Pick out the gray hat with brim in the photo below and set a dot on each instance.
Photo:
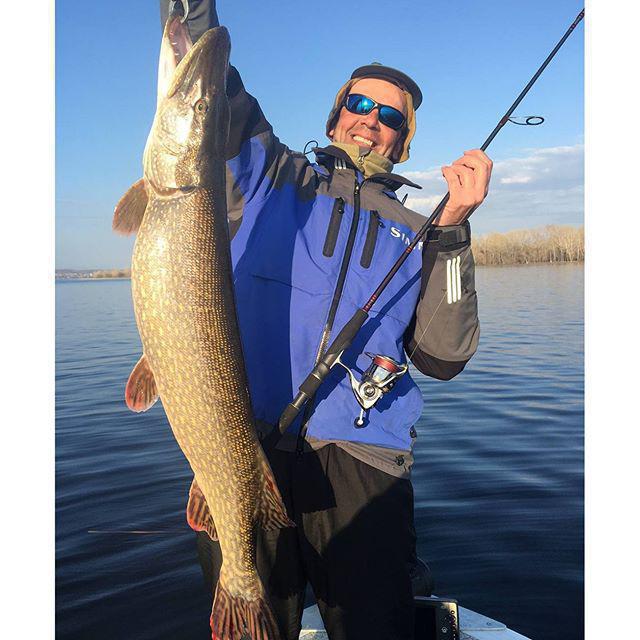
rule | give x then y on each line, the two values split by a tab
377	70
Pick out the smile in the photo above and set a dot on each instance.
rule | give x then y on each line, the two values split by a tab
358	138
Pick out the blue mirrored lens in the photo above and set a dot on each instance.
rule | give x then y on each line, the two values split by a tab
391	117
359	104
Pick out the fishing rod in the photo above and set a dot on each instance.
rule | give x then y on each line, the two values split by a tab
344	339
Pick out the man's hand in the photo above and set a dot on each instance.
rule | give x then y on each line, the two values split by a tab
468	180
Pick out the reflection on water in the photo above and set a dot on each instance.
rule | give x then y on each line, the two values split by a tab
498	474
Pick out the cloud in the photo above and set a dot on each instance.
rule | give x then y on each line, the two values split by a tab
515	180
545	186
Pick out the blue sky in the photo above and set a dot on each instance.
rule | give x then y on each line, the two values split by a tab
470	58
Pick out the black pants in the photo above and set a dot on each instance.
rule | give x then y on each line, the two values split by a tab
354	543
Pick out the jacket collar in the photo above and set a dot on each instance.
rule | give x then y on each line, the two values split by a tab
391	180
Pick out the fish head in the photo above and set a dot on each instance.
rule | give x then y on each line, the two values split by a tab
191	124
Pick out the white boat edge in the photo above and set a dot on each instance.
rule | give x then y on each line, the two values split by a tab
473	626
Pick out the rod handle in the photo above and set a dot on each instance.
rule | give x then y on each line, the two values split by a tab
312	382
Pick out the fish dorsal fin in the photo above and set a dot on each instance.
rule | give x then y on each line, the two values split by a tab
141	391
198	514
271	512
130	209
175	45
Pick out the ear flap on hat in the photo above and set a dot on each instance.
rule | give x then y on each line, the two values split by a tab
337	105
409	130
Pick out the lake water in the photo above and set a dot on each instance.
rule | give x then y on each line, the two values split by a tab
498	477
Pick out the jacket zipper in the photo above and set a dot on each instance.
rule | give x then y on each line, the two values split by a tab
337	294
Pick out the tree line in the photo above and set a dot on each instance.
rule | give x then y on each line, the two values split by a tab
553	243
112	273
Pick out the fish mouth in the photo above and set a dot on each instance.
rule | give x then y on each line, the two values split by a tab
191	101
205	63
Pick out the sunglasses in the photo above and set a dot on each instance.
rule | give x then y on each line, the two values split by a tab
362	105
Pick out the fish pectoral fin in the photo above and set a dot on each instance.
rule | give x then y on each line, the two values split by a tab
271	513
198	515
141	391
129	211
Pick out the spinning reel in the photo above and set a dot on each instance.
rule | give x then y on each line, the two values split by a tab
378	379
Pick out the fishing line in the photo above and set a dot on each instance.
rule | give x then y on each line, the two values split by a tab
137	531
528	121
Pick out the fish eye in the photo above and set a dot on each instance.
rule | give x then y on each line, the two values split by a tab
201	106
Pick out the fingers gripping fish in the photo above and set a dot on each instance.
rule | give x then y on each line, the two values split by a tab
183	296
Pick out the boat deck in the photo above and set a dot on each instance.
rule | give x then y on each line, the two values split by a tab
473	626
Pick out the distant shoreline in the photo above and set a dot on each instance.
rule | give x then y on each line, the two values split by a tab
512	264
93	274
553	244
90	278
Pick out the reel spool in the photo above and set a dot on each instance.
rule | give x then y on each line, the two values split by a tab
378	379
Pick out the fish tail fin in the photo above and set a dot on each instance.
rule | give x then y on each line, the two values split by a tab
236	618
271	512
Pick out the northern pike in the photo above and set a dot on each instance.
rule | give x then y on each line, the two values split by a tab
182	287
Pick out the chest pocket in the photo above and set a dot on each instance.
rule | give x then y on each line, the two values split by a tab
383	244
337	214
370	241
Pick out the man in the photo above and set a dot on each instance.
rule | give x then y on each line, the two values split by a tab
310	241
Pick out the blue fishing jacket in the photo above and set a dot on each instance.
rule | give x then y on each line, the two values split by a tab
310	242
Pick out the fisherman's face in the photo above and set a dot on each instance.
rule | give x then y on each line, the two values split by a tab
367	130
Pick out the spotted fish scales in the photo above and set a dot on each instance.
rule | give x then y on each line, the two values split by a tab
182	287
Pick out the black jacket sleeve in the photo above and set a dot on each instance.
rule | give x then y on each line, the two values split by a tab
444	332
